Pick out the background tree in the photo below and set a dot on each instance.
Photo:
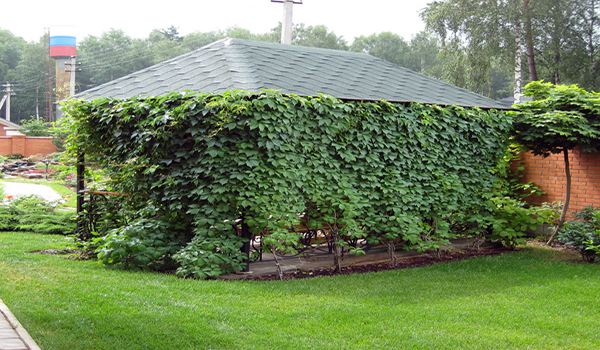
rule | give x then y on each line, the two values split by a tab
556	38
30	77
317	36
478	39
35	127
424	50
11	48
559	45
387	46
110	56
587	22
560	119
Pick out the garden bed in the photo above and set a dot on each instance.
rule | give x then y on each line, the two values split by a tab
403	263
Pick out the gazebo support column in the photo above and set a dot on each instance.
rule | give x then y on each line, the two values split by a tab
80	189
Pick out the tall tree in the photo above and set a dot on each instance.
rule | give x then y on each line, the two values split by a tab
559	37
588	25
480	32
110	56
556	38
31	77
424	53
11	48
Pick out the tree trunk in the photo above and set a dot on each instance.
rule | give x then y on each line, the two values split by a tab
563	215
391	248
518	62
337	248
529	42
590	35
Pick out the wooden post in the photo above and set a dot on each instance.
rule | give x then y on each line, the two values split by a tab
80	189
246	248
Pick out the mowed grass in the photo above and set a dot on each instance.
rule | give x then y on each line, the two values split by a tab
531	299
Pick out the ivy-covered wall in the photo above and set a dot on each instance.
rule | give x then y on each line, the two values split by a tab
203	164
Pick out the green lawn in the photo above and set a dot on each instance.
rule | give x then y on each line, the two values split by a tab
532	299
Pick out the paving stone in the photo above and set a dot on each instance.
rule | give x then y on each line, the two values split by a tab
7	333
4	323
12	344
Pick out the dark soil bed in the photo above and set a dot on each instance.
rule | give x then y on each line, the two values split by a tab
402	263
55	251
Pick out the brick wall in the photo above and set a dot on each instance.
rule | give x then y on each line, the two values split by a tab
549	174
27	146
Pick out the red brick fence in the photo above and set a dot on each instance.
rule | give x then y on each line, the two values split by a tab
549	175
26	145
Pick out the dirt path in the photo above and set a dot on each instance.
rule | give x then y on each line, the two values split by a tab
17	189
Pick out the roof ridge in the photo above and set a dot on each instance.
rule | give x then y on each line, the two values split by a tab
244	71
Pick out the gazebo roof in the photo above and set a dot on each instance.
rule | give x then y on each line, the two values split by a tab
237	64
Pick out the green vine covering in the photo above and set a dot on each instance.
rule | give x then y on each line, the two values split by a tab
204	164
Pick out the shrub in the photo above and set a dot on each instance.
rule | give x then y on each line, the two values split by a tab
35	214
511	219
583	233
507	221
145	243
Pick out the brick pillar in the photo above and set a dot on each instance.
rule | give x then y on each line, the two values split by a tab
18	144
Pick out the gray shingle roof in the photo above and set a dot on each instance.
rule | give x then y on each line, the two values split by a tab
237	64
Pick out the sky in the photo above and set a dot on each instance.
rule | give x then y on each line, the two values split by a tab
29	19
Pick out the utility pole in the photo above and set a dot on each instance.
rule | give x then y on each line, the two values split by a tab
6	99
72	70
286	26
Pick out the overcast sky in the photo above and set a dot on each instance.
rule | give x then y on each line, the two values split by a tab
348	18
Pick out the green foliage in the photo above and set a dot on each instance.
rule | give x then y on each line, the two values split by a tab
507	220
510	172
34	214
511	219
355	167
317	36
35	127
101	215
387	46
145	243
583	232
205	257
560	117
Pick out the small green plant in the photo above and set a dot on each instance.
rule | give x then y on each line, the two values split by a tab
145	243
583	233
507	221
208	257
